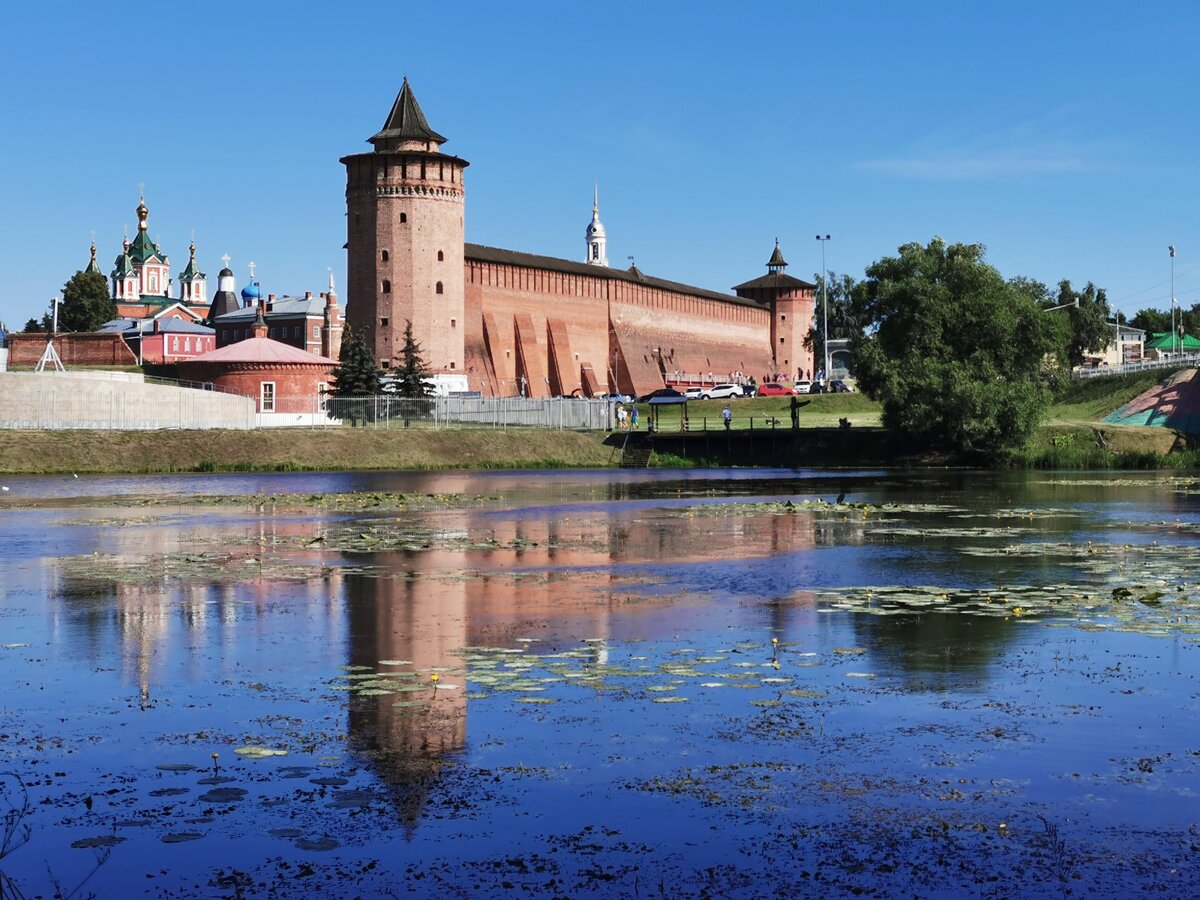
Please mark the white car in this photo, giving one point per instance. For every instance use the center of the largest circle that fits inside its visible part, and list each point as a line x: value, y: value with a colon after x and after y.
x: 802, y: 387
x: 693, y: 393
x: 721, y: 392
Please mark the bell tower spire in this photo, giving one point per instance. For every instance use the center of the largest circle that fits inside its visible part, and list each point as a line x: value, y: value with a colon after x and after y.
x: 597, y: 239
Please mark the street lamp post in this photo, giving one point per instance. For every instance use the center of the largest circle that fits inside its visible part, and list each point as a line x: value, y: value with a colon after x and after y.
x: 825, y: 314
x: 54, y: 315
x: 1171, y: 250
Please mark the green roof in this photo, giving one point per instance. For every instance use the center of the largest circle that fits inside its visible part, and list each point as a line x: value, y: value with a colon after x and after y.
x: 191, y: 271
x: 1162, y: 341
x: 124, y: 265
x: 143, y: 248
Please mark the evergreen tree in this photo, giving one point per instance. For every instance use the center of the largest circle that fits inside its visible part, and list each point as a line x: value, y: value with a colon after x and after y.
x: 410, y: 377
x: 357, y: 375
x: 85, y: 304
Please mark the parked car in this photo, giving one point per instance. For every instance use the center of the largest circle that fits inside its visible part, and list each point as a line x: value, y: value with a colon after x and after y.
x: 661, y: 392
x: 616, y: 398
x: 749, y: 390
x: 693, y: 393
x: 721, y: 392
x: 774, y: 389
x: 840, y: 387
x: 802, y: 387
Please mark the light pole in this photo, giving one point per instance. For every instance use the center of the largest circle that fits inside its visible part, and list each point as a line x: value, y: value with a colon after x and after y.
x: 825, y: 315
x: 54, y: 315
x: 1171, y: 250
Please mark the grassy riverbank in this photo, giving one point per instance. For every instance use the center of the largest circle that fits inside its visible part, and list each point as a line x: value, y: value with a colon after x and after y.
x: 266, y: 450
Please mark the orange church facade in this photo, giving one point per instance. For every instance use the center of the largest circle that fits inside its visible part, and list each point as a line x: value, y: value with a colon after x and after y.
x: 521, y: 324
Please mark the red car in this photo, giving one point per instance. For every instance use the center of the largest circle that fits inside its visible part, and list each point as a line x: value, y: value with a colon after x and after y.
x: 774, y: 389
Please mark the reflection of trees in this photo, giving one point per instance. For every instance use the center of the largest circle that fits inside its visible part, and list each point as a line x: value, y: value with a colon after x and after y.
x: 935, y: 651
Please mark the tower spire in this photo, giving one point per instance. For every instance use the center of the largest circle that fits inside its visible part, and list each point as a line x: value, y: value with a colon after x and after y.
x: 405, y: 123
x: 597, y: 238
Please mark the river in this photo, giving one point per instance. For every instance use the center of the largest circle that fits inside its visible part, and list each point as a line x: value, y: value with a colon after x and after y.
x: 564, y: 683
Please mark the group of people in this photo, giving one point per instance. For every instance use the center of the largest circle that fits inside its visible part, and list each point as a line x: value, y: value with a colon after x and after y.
x: 627, y: 420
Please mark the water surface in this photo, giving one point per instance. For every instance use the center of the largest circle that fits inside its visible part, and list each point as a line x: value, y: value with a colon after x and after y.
x: 700, y: 683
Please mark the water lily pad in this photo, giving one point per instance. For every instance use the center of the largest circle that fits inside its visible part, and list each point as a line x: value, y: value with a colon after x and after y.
x: 216, y: 779
x: 170, y: 792
x: 223, y: 795
x: 535, y: 700
x: 670, y: 700
x: 175, y: 767
x: 255, y: 752
x: 180, y: 837
x: 317, y: 844
x: 329, y: 781
x: 289, y: 833
x: 107, y: 840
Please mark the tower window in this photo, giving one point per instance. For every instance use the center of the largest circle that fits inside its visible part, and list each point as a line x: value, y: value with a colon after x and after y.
x: 383, y: 255
x: 438, y: 289
x: 452, y: 365
x: 595, y: 251
x: 453, y: 323
x: 781, y: 340
x: 384, y: 321
x: 441, y: 256
x: 387, y: 286
x: 403, y: 218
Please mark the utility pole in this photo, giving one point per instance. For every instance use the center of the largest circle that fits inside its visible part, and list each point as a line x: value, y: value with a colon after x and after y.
x: 825, y: 315
x: 1171, y: 250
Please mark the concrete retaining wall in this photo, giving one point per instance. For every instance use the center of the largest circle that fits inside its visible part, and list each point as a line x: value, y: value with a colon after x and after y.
x: 64, y: 400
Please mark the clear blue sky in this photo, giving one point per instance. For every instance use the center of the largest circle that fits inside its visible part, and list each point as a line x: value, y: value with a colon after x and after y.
x: 1061, y: 135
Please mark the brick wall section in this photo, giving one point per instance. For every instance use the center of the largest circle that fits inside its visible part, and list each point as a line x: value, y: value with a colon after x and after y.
x: 76, y: 349
x: 296, y: 386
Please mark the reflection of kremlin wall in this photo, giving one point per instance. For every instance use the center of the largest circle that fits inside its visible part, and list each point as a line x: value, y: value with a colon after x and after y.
x: 516, y: 323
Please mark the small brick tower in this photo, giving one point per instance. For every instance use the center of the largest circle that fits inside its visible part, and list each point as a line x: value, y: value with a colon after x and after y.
x: 791, y: 303
x: 404, y: 211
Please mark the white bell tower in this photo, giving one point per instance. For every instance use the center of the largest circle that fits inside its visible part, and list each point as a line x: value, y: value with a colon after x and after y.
x: 597, y: 240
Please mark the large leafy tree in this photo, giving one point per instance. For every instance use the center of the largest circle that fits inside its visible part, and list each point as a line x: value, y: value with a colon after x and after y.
x: 86, y: 304
x: 1088, y: 318
x: 357, y: 375
x: 411, y: 374
x: 842, y: 317
x: 957, y: 356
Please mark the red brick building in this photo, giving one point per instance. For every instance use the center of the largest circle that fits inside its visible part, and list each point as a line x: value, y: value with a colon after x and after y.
x: 517, y: 323
x: 280, y: 378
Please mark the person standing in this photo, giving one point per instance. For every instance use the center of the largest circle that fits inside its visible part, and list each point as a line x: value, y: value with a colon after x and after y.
x: 727, y: 415
x: 633, y: 419
x: 795, y: 412
x: 621, y: 414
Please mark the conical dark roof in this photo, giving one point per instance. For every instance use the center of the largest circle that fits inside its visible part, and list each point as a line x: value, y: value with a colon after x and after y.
x: 406, y: 122
x: 777, y: 258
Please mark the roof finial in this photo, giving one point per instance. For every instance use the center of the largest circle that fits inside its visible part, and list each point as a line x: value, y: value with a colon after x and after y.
x: 596, y: 198
x: 251, y: 270
x: 225, y: 259
x: 331, y: 290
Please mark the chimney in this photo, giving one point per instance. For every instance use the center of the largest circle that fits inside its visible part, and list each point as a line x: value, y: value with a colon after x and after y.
x: 270, y: 302
x: 308, y: 295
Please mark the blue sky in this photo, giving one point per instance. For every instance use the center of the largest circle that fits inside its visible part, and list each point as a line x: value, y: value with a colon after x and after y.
x: 1061, y: 135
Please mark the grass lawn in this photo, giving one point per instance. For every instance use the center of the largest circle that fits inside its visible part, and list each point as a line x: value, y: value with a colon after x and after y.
x: 818, y: 411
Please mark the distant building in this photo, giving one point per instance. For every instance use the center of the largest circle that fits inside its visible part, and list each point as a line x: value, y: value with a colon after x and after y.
x: 164, y: 338
x: 307, y: 323
x: 141, y: 276
x: 281, y: 378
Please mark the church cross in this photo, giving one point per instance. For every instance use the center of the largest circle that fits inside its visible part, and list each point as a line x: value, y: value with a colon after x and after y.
x: 142, y: 191
x: 225, y: 259
x: 251, y: 270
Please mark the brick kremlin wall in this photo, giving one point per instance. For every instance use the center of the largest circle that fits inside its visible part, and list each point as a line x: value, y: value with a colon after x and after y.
x: 75, y: 349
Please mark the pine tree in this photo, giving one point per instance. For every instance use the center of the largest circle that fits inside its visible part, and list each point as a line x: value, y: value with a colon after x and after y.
x: 357, y: 375
x: 411, y: 375
x: 86, y: 304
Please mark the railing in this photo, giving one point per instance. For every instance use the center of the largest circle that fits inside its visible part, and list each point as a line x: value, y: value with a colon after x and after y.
x: 388, y: 411
x: 1179, y: 361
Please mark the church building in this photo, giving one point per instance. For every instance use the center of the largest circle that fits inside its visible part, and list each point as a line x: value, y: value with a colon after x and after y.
x: 517, y: 323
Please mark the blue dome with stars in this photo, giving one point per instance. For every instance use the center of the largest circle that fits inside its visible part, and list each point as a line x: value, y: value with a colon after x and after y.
x: 250, y: 293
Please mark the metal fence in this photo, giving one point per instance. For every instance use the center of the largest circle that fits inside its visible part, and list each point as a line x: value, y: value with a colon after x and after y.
x: 1180, y: 361
x: 456, y: 412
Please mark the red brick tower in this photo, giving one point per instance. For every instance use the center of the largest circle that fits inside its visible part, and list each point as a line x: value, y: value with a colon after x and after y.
x: 404, y: 205
x: 791, y: 303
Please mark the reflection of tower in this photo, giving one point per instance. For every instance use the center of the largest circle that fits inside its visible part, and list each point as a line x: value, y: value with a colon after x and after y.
x: 422, y: 620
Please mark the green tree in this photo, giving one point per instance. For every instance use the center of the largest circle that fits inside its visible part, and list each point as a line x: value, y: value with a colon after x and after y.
x: 1090, y: 329
x: 35, y: 326
x: 843, y: 323
x: 411, y: 374
x: 85, y: 304
x: 1152, y: 321
x: 356, y: 375
x: 957, y: 356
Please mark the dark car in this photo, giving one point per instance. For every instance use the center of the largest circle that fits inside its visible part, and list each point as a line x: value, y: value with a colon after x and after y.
x: 661, y: 392
x: 840, y: 387
x: 774, y: 389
